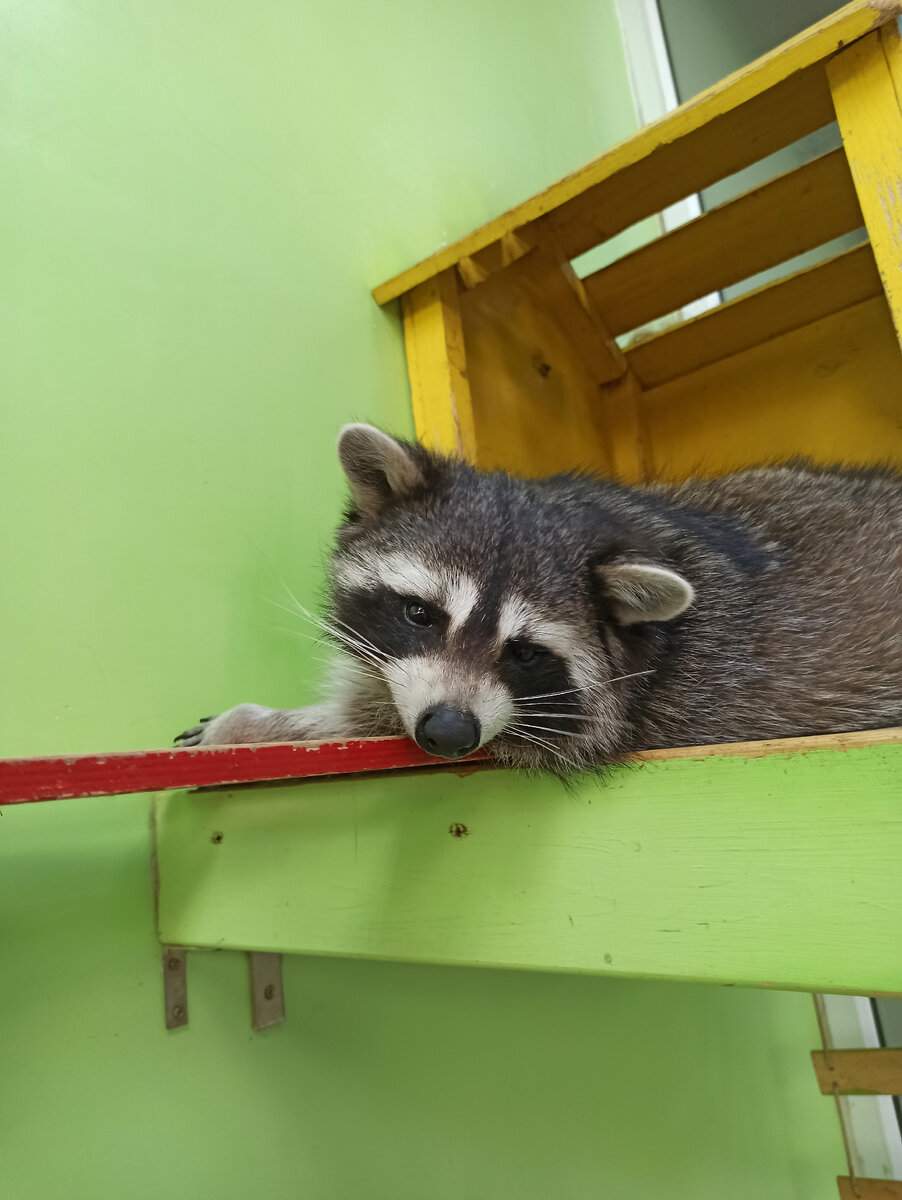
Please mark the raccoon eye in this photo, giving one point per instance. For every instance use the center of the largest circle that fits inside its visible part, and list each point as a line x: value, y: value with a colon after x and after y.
x: 418, y: 614
x: 525, y: 652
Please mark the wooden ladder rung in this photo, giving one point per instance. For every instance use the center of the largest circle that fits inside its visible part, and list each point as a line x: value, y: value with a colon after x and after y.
x: 858, y: 1072
x: 869, y: 1189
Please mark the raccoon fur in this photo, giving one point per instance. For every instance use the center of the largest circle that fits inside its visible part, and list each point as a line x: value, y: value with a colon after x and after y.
x: 570, y: 621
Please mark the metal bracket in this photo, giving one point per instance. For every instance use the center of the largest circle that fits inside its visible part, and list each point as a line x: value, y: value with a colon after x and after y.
x: 175, y: 986
x: 267, y: 997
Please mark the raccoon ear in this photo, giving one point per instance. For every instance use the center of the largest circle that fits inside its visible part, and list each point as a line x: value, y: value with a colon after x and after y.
x: 642, y: 592
x: 379, y: 468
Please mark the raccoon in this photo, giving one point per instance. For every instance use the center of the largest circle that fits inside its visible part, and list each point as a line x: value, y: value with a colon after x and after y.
x: 570, y: 621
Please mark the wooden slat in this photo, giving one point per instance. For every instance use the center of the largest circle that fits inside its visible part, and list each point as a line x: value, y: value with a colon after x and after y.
x: 774, y: 101
x: 620, y: 409
x: 858, y: 740
x: 870, y: 121
x: 23, y: 780
x: 830, y: 391
x: 549, y: 280
x: 868, y: 1189
x: 806, y: 296
x: 437, y: 366
x: 860, y: 1072
x: 760, y: 229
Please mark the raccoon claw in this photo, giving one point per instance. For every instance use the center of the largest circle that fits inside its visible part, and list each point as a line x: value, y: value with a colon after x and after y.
x: 194, y: 735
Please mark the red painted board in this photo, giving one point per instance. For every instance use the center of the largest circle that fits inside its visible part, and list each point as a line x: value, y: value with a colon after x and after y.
x: 23, y: 780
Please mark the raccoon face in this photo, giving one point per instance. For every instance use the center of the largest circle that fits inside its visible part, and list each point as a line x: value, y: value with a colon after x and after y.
x: 478, y: 613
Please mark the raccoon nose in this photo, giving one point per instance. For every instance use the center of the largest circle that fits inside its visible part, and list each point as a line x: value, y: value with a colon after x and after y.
x: 447, y: 732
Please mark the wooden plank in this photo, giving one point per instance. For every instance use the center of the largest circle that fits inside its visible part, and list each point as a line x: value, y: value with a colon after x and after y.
x: 535, y: 398
x: 758, y: 316
x: 761, y: 228
x: 622, y: 414
x: 857, y: 740
x: 830, y: 391
x: 868, y: 1189
x: 891, y: 42
x: 24, y: 780
x: 859, y: 1072
x: 437, y: 366
x: 870, y: 121
x: 773, y: 101
x: 757, y: 872
x: 545, y: 274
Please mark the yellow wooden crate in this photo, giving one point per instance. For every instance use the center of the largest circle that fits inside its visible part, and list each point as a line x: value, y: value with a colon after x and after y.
x: 517, y: 363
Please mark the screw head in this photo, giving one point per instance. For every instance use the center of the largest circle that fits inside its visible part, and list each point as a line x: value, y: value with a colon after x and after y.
x: 268, y: 992
x: 174, y: 964
x: 178, y: 1012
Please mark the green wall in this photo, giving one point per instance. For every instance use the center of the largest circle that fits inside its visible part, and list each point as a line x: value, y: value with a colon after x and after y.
x: 196, y: 198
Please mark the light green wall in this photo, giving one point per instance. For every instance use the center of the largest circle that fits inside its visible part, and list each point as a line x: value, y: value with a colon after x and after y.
x: 196, y: 197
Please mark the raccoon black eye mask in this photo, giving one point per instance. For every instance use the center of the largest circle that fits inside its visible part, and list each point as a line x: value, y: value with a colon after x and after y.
x: 569, y: 621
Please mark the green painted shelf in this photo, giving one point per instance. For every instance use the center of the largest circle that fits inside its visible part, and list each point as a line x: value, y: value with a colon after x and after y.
x: 752, y: 866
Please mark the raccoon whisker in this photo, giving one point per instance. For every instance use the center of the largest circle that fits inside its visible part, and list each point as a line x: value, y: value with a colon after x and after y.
x: 511, y: 731
x: 541, y: 742
x: 544, y: 728
x: 517, y: 733
x: 344, y: 639
x: 358, y: 667
x: 353, y: 639
x: 620, y: 678
x: 560, y: 716
x: 587, y: 687
x: 548, y: 695
x: 357, y: 634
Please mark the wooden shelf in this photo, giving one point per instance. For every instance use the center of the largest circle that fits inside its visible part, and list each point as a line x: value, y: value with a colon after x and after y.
x: 766, y: 865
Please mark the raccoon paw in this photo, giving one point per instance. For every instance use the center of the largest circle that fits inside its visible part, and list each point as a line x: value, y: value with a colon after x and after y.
x: 193, y: 736
x: 243, y: 724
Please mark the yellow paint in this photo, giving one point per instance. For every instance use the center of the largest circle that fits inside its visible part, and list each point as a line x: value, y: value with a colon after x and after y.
x: 831, y: 391
x: 535, y: 401
x: 784, y: 217
x: 546, y: 275
x: 436, y: 361
x: 765, y: 313
x: 891, y: 43
x: 867, y: 109
x: 620, y: 409
x: 773, y: 101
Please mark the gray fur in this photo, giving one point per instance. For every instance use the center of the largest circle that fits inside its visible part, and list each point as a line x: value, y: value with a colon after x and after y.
x: 792, y: 576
